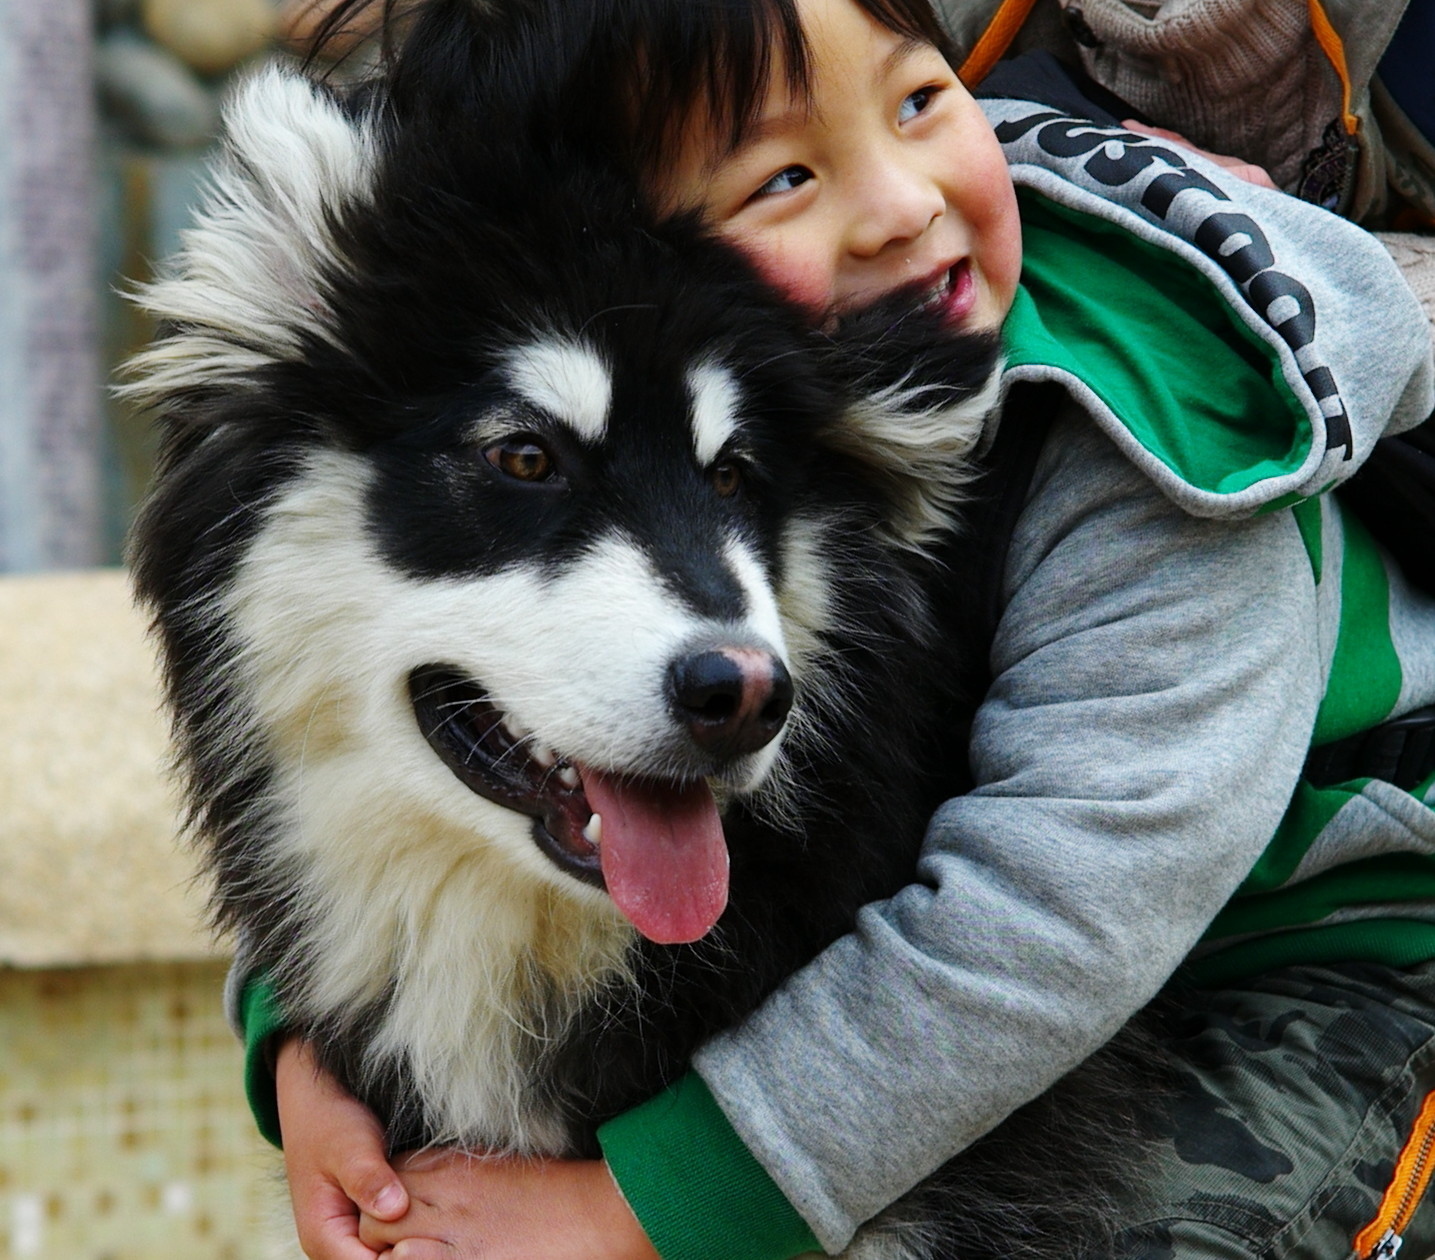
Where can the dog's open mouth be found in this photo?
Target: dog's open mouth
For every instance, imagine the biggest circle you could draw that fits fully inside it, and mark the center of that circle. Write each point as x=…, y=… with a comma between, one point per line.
x=656, y=846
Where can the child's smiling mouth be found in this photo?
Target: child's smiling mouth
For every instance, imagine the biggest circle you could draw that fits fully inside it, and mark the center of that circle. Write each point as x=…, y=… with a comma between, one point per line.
x=949, y=292
x=953, y=294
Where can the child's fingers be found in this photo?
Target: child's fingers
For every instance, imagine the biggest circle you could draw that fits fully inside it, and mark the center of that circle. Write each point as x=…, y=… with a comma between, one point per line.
x=328, y=1226
x=326, y=1212
x=335, y=1157
x=331, y=1139
x=367, y=1179
x=380, y=1236
x=335, y=1249
x=422, y=1249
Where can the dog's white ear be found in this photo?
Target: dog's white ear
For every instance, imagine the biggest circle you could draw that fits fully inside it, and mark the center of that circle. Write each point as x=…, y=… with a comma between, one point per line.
x=251, y=278
x=920, y=438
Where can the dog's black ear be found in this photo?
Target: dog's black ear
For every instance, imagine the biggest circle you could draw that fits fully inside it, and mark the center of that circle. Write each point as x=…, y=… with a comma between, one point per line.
x=918, y=397
x=251, y=283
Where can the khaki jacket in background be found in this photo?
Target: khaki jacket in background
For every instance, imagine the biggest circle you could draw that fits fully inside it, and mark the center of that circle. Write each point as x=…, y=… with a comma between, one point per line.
x=1288, y=85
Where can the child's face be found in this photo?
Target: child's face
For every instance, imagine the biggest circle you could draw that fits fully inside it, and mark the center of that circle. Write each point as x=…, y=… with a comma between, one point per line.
x=889, y=176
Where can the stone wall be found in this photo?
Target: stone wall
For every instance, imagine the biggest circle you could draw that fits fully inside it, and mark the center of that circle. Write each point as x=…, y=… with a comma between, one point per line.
x=50, y=436
x=107, y=112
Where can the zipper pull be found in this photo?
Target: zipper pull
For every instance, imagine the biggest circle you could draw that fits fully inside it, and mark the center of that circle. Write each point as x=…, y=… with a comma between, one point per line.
x=1387, y=1247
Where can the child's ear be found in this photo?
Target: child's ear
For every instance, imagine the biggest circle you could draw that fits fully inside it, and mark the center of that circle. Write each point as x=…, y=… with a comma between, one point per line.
x=251, y=282
x=918, y=400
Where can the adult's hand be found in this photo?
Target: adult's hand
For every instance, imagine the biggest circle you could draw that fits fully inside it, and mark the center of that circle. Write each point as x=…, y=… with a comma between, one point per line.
x=1242, y=169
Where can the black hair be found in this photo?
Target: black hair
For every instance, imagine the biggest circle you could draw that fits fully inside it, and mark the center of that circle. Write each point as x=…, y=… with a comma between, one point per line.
x=626, y=74
x=673, y=56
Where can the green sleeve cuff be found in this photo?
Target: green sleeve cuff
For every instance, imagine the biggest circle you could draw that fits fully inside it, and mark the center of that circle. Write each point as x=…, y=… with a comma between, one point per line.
x=693, y=1185
x=261, y=1017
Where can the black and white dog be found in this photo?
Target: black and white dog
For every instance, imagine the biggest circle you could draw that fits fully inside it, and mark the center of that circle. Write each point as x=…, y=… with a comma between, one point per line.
x=555, y=627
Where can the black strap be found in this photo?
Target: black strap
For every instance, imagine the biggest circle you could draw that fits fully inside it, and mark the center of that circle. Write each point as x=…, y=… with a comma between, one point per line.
x=1394, y=496
x=1001, y=494
x=1401, y=752
x=974, y=600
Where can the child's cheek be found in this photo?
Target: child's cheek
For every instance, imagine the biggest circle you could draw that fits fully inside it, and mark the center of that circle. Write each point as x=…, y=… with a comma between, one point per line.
x=798, y=275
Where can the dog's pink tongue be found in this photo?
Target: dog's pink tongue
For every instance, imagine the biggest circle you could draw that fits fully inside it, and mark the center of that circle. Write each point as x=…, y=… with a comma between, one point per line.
x=663, y=854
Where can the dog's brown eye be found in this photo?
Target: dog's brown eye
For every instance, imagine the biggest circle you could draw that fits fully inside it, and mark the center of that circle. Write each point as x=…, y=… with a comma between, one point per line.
x=520, y=458
x=726, y=478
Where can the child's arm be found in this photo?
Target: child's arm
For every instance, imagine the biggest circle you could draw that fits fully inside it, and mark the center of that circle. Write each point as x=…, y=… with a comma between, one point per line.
x=1057, y=899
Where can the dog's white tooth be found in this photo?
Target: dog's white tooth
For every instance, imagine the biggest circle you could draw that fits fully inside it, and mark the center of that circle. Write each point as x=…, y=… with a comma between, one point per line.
x=515, y=728
x=568, y=775
x=593, y=832
x=543, y=755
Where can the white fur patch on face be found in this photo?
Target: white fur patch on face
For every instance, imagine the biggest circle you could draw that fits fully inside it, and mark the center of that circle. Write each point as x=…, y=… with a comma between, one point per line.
x=250, y=278
x=416, y=885
x=566, y=379
x=922, y=450
x=579, y=658
x=763, y=618
x=716, y=399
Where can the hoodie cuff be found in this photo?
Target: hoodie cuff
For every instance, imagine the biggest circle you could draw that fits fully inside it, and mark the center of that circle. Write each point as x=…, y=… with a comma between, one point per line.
x=695, y=1188
x=261, y=1017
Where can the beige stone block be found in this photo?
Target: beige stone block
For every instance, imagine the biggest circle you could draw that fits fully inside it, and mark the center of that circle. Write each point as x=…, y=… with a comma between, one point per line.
x=90, y=867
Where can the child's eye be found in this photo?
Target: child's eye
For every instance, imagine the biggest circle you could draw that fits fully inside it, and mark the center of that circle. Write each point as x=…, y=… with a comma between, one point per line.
x=784, y=181
x=915, y=103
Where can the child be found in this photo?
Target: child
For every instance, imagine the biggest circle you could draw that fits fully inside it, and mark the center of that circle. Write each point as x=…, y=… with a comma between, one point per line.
x=1173, y=641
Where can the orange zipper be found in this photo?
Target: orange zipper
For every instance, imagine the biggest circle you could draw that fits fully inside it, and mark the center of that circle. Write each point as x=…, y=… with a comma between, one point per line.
x=1381, y=1239
x=1334, y=50
x=995, y=40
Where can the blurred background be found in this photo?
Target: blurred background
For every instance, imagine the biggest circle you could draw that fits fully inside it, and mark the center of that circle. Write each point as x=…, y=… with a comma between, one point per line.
x=123, y=1131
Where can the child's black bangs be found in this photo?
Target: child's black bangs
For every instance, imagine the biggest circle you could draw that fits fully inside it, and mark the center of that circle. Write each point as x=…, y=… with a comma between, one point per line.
x=626, y=75
x=712, y=57
x=914, y=18
x=716, y=56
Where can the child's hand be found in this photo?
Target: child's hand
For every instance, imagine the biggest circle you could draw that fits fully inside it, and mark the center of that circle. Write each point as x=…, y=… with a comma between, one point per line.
x=1247, y=171
x=335, y=1158
x=467, y=1207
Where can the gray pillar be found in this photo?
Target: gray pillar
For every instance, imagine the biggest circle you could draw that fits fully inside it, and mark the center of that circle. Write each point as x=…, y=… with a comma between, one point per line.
x=50, y=437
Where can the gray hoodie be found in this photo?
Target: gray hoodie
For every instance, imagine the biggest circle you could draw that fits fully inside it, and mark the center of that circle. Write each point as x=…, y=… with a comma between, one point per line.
x=1172, y=644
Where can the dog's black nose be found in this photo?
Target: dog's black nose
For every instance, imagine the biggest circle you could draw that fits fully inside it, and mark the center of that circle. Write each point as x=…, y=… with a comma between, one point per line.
x=733, y=700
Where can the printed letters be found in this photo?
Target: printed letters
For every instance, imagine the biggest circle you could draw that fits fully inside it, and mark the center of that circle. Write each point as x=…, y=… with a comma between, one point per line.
x=1234, y=241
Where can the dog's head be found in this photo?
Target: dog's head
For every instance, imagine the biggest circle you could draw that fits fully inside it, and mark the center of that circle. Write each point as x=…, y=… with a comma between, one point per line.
x=496, y=521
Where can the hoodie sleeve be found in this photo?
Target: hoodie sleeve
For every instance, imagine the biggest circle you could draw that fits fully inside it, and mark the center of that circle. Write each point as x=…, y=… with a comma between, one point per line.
x=1157, y=677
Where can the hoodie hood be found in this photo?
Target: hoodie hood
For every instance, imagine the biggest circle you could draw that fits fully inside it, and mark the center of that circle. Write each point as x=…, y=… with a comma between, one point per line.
x=1244, y=348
